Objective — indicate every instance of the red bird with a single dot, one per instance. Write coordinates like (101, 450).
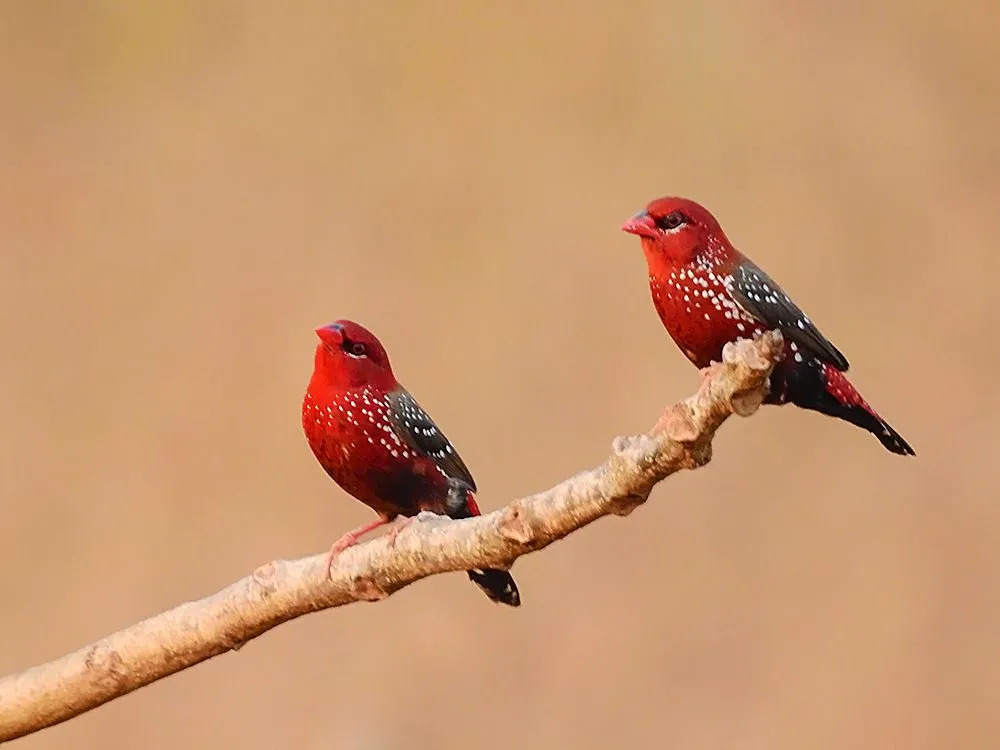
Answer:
(375, 441)
(708, 293)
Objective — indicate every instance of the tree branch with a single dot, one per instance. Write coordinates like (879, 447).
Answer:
(283, 590)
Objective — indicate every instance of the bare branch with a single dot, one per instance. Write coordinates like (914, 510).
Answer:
(283, 590)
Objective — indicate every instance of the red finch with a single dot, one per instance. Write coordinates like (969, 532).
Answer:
(375, 441)
(708, 293)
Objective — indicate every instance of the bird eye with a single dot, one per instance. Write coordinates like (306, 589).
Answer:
(354, 348)
(671, 221)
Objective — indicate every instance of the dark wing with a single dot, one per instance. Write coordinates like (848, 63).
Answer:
(419, 432)
(757, 293)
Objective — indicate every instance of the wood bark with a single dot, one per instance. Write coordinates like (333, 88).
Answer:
(282, 590)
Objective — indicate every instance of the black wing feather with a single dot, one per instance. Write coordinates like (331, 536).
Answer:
(757, 293)
(419, 432)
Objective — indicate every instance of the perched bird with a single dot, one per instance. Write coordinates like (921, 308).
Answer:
(708, 293)
(375, 441)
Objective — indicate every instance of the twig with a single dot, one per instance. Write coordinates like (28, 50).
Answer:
(282, 590)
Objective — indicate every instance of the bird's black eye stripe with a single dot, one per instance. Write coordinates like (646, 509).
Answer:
(671, 220)
(354, 348)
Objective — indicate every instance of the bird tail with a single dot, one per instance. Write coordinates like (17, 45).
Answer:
(849, 405)
(825, 389)
(498, 585)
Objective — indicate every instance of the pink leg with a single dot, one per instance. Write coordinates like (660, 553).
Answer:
(401, 524)
(351, 538)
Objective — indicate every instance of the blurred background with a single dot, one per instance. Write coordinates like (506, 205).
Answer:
(190, 188)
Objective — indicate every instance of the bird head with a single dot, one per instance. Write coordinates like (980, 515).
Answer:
(349, 356)
(673, 231)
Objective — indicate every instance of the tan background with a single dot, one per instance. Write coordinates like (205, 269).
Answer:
(187, 190)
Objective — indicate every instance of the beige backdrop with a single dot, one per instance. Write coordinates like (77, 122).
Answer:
(188, 190)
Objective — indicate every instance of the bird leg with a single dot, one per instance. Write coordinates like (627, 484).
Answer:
(401, 524)
(351, 538)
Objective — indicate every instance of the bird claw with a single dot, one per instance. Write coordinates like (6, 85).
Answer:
(401, 524)
(350, 539)
(347, 540)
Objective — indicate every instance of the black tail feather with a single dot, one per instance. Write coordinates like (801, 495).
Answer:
(877, 426)
(808, 387)
(498, 585)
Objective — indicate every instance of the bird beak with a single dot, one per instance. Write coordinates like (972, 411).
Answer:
(641, 224)
(331, 335)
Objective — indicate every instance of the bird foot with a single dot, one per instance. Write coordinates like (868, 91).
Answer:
(350, 539)
(347, 540)
(401, 524)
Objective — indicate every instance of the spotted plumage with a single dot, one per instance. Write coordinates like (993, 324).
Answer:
(707, 293)
(422, 436)
(375, 441)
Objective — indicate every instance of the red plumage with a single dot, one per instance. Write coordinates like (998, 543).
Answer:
(375, 441)
(707, 293)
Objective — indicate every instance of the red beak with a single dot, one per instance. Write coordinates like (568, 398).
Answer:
(332, 335)
(641, 224)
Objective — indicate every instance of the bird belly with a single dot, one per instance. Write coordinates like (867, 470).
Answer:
(386, 477)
